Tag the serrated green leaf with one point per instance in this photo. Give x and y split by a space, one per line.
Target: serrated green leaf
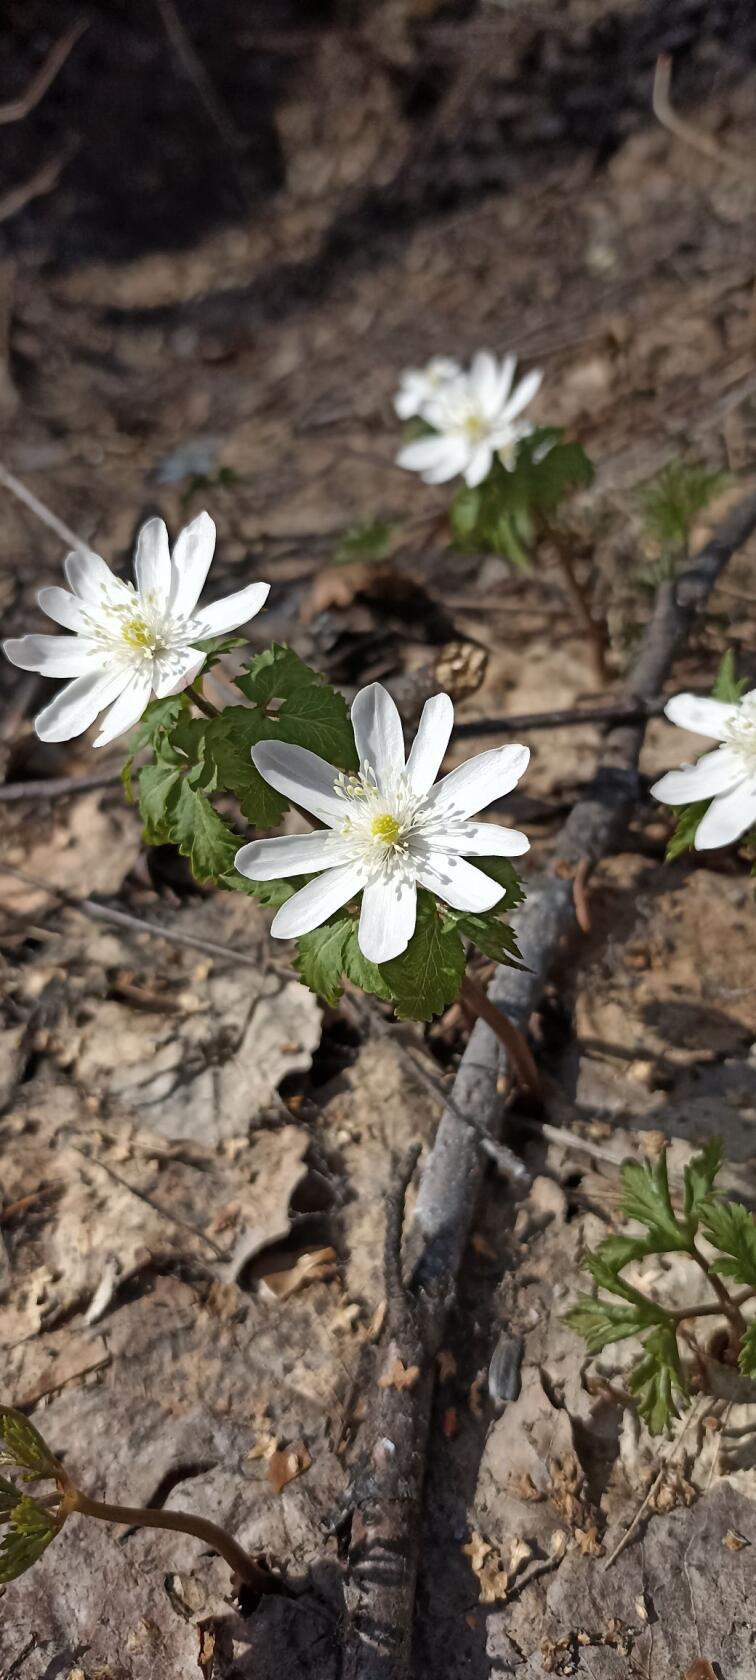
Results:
732 1229
606 1275
683 836
368 541
22 1446
426 978
202 835
728 686
367 975
318 718
489 930
603 1322
657 1378
274 674
619 1251
161 716
699 1177
645 1197
320 958
221 748
9 1496
32 1529
671 502
747 1355
272 894
158 783
500 515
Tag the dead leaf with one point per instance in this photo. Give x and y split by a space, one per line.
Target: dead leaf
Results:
399 1376
206 1653
700 1670
522 1486
477 1391
486 1563
450 1423
286 1464
588 1542
447 1365
735 1542
314 1266
460 668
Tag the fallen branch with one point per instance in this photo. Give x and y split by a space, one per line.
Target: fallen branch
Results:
59 787
387 1499
617 711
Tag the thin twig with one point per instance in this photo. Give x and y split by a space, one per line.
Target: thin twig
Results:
562 545
618 711
135 924
194 69
35 186
518 1050
697 138
19 490
16 109
666 1461
157 1207
59 787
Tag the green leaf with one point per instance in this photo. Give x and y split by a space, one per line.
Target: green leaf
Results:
606 1275
32 1528
500 515
160 717
728 686
488 930
368 541
274 674
732 1229
603 1322
318 718
270 893
214 647
657 1378
22 1446
699 1179
747 1356
221 747
645 1197
671 502
684 833
158 782
329 953
367 975
202 835
426 978
9 1497
618 1251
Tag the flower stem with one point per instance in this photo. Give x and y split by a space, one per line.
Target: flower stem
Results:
473 995
596 635
252 1574
204 705
711 1309
729 1307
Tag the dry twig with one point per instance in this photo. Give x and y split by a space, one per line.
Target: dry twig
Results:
697 138
16 109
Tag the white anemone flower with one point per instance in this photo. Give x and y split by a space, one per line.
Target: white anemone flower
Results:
474 418
726 776
419 386
129 641
388 829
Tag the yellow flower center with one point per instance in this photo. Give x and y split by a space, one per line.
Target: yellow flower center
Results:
386 828
138 634
474 427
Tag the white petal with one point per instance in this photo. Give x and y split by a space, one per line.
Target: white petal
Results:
458 883
437 458
152 563
479 465
387 918
317 901
302 777
700 716
174 670
523 394
378 734
430 743
485 840
232 611
128 708
62 608
291 854
729 816
190 563
76 707
89 577
484 382
54 656
475 784
406 401
716 772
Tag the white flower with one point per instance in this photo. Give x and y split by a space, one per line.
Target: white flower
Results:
129 642
388 829
727 776
418 386
474 418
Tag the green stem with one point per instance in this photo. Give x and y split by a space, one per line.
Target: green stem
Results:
712 1309
204 705
728 1306
181 1522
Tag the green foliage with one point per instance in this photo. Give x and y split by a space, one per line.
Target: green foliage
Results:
369 541
645 1197
502 514
195 759
732 1229
30 1527
657 1378
426 978
672 501
747 1358
728 685
682 838
224 479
